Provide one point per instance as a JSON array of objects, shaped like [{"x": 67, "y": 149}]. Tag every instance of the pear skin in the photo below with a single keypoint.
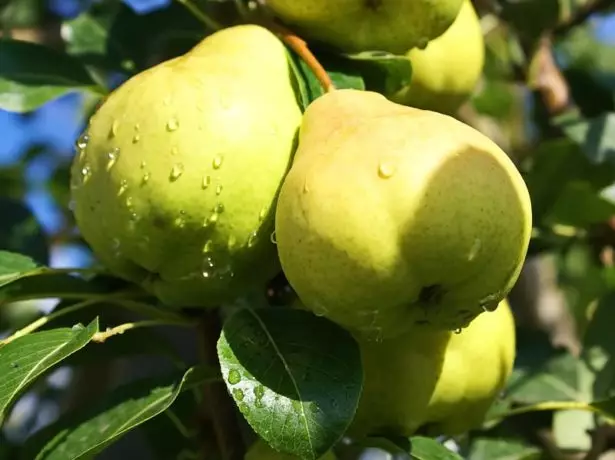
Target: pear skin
[
  {"x": 353, "y": 26},
  {"x": 445, "y": 73},
  {"x": 393, "y": 216},
  {"x": 177, "y": 174},
  {"x": 427, "y": 380}
]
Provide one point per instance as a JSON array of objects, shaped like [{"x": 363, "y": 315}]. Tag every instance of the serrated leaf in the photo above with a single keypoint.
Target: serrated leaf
[
  {"x": 85, "y": 433},
  {"x": 422, "y": 448},
  {"x": 295, "y": 377},
  {"x": 23, "y": 360},
  {"x": 20, "y": 231},
  {"x": 32, "y": 75},
  {"x": 14, "y": 265}
]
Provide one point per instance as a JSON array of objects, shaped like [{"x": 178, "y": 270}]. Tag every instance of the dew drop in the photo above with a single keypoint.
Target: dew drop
[
  {"x": 180, "y": 221},
  {"x": 114, "y": 127},
  {"x": 273, "y": 238},
  {"x": 123, "y": 187},
  {"x": 219, "y": 208},
  {"x": 232, "y": 241},
  {"x": 218, "y": 190},
  {"x": 211, "y": 220},
  {"x": 86, "y": 173},
  {"x": 137, "y": 127},
  {"x": 83, "y": 140},
  {"x": 208, "y": 247},
  {"x": 474, "y": 250},
  {"x": 208, "y": 267},
  {"x": 129, "y": 202},
  {"x": 136, "y": 138},
  {"x": 262, "y": 214},
  {"x": 234, "y": 377},
  {"x": 133, "y": 216},
  {"x": 217, "y": 162},
  {"x": 112, "y": 157},
  {"x": 386, "y": 170},
  {"x": 252, "y": 239},
  {"x": 458, "y": 331},
  {"x": 172, "y": 124},
  {"x": 206, "y": 182},
  {"x": 145, "y": 178},
  {"x": 143, "y": 164},
  {"x": 176, "y": 171}
]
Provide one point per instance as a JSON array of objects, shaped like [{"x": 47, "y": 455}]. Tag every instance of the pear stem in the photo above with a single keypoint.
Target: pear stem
[
  {"x": 201, "y": 16},
  {"x": 299, "y": 46}
]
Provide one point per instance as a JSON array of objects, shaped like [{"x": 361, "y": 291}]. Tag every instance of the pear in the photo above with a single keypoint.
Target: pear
[
  {"x": 177, "y": 174},
  {"x": 427, "y": 379},
  {"x": 358, "y": 25},
  {"x": 445, "y": 73},
  {"x": 260, "y": 450},
  {"x": 392, "y": 216}
]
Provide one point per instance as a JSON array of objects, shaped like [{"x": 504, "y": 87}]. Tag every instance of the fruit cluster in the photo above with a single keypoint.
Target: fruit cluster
[{"x": 201, "y": 177}]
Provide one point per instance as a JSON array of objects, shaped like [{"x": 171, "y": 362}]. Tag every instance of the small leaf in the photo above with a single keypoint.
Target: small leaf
[
  {"x": 382, "y": 72},
  {"x": 32, "y": 75},
  {"x": 20, "y": 231},
  {"x": 296, "y": 378},
  {"x": 26, "y": 358},
  {"x": 13, "y": 266},
  {"x": 86, "y": 433},
  {"x": 422, "y": 448}
]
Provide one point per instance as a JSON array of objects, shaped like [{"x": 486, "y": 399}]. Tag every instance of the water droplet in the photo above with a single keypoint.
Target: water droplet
[
  {"x": 83, "y": 140},
  {"x": 143, "y": 164},
  {"x": 218, "y": 190},
  {"x": 129, "y": 202},
  {"x": 208, "y": 247},
  {"x": 238, "y": 394},
  {"x": 273, "y": 238},
  {"x": 86, "y": 173},
  {"x": 137, "y": 127},
  {"x": 234, "y": 377},
  {"x": 206, "y": 182},
  {"x": 172, "y": 124},
  {"x": 14, "y": 365},
  {"x": 123, "y": 187},
  {"x": 217, "y": 162},
  {"x": 145, "y": 178},
  {"x": 211, "y": 220},
  {"x": 458, "y": 330},
  {"x": 252, "y": 239},
  {"x": 207, "y": 271},
  {"x": 262, "y": 214},
  {"x": 133, "y": 216},
  {"x": 386, "y": 170},
  {"x": 232, "y": 241},
  {"x": 78, "y": 327},
  {"x": 180, "y": 221},
  {"x": 112, "y": 157},
  {"x": 176, "y": 171},
  {"x": 174, "y": 151},
  {"x": 136, "y": 138},
  {"x": 219, "y": 208},
  {"x": 474, "y": 249},
  {"x": 114, "y": 127}
]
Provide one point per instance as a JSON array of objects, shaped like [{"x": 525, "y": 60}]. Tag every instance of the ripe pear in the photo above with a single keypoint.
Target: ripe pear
[
  {"x": 358, "y": 25},
  {"x": 392, "y": 216},
  {"x": 260, "y": 450},
  {"x": 178, "y": 171},
  {"x": 445, "y": 73},
  {"x": 428, "y": 378}
]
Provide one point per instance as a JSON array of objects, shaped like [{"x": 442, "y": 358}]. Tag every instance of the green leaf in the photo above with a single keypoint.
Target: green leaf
[
  {"x": 86, "y": 433},
  {"x": 502, "y": 449},
  {"x": 295, "y": 377},
  {"x": 32, "y": 75},
  {"x": 595, "y": 136},
  {"x": 20, "y": 231},
  {"x": 579, "y": 204},
  {"x": 23, "y": 360},
  {"x": 422, "y": 448},
  {"x": 13, "y": 266},
  {"x": 382, "y": 72}
]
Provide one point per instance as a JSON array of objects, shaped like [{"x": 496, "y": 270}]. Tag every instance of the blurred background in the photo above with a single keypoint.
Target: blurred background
[{"x": 36, "y": 147}]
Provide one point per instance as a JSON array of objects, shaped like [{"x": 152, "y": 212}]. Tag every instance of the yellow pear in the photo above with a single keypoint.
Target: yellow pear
[
  {"x": 393, "y": 216},
  {"x": 359, "y": 25},
  {"x": 441, "y": 381},
  {"x": 260, "y": 450},
  {"x": 445, "y": 73},
  {"x": 176, "y": 176}
]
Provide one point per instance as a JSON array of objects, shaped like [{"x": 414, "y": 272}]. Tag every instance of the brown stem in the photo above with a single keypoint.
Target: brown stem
[
  {"x": 217, "y": 403},
  {"x": 299, "y": 46}
]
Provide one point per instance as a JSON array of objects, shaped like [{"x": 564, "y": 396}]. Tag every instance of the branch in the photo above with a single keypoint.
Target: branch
[{"x": 217, "y": 403}]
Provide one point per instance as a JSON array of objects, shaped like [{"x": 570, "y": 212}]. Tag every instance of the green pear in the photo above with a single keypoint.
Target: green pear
[
  {"x": 445, "y": 73},
  {"x": 260, "y": 450},
  {"x": 177, "y": 174},
  {"x": 358, "y": 25},
  {"x": 427, "y": 379},
  {"x": 392, "y": 216}
]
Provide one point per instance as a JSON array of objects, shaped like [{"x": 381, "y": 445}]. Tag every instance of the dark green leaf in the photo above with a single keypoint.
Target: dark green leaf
[
  {"x": 23, "y": 360},
  {"x": 422, "y": 448},
  {"x": 296, "y": 378},
  {"x": 382, "y": 72},
  {"x": 85, "y": 433},
  {"x": 32, "y": 75},
  {"x": 20, "y": 231}
]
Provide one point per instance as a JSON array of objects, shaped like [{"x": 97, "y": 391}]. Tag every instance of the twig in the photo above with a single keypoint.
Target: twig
[
  {"x": 209, "y": 22},
  {"x": 100, "y": 337},
  {"x": 216, "y": 400},
  {"x": 299, "y": 46}
]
